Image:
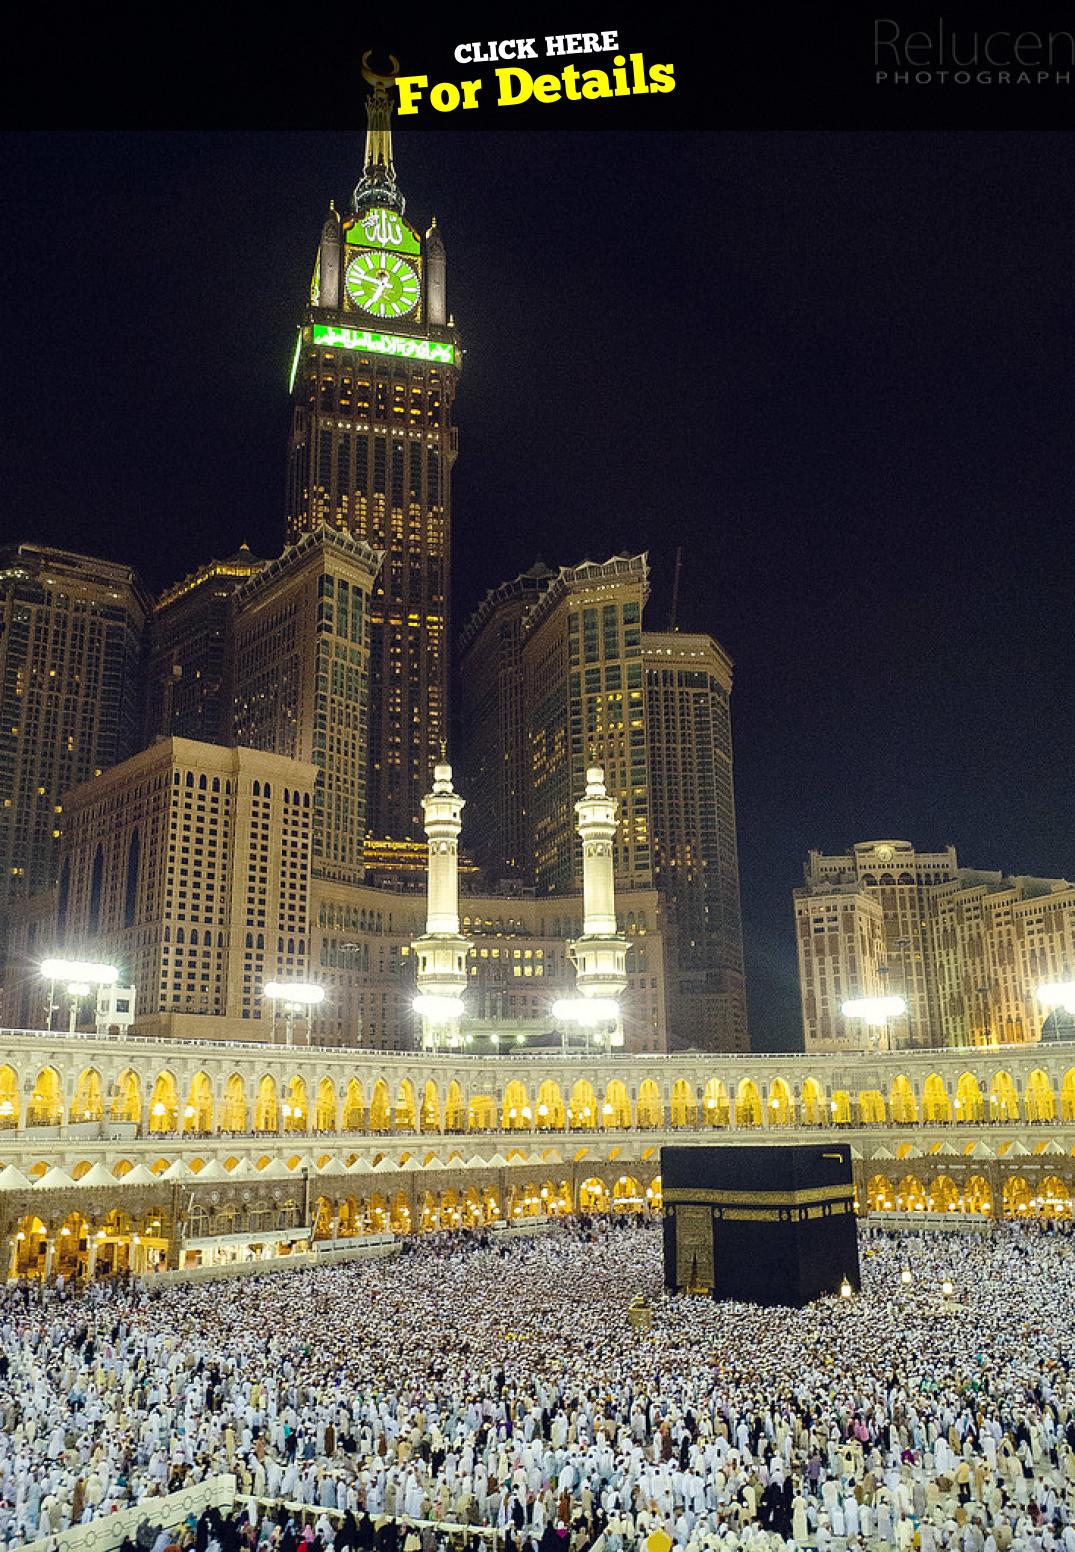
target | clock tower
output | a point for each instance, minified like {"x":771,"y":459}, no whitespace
{"x":371,"y":450}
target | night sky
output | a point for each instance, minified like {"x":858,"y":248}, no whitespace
{"x":835,"y":367}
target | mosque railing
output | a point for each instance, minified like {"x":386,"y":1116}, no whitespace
{"x":514,"y":1056}
{"x":107,"y":1532}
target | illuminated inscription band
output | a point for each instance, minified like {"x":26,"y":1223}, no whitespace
{"x":383,"y":344}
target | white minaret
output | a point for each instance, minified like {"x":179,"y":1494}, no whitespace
{"x":441,"y":954}
{"x":600,"y":955}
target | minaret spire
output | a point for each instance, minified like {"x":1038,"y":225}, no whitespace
{"x":441,"y":953}
{"x":600,"y":954}
{"x":377,"y":185}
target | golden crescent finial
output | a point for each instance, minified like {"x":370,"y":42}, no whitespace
{"x":373,"y":76}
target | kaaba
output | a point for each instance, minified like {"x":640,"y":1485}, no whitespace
{"x":766,"y":1225}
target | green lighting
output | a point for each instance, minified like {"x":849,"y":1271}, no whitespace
{"x":295,"y":363}
{"x":383,"y":344}
{"x":381,"y":228}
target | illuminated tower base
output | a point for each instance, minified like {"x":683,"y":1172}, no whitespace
{"x":441,"y":953}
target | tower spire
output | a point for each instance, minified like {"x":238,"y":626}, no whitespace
{"x":377,"y":185}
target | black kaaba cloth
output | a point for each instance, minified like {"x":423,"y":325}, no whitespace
{"x":768,"y":1225}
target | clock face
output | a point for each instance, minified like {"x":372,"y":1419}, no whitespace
{"x":384,"y":284}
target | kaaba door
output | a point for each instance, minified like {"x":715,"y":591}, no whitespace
{"x":694,"y":1247}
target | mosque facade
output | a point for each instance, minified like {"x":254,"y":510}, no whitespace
{"x":159,"y":1155}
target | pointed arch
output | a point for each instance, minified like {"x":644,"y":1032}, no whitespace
{"x":380,"y":1107}
{"x":405,"y":1115}
{"x":515,"y":1110}
{"x":871,"y":1107}
{"x":969,"y":1101}
{"x":977,"y":1196}
{"x":944,"y":1195}
{"x":45,"y":1107}
{"x":88,"y":1103}
{"x":1039,"y":1101}
{"x":880,"y":1196}
{"x":1067,"y":1096}
{"x":747,"y":1104}
{"x":1003,"y":1098}
{"x":126,"y":1105}
{"x":1054,"y":1199}
{"x":1016,"y":1197}
{"x":481,"y":1113}
{"x":430,"y":1113}
{"x":716,"y":1103}
{"x":593,"y":1195}
{"x":354,"y":1107}
{"x":296,"y":1106}
{"x":267,"y":1106}
{"x":550,"y":1107}
{"x":233,"y":1107}
{"x":902,"y":1105}
{"x":583,"y":1109}
{"x":911,"y":1194}
{"x":9,"y":1098}
{"x":683,"y":1108}
{"x":616,"y":1107}
{"x":455,"y":1111}
{"x":812,"y":1103}
{"x":164,"y":1104}
{"x":840,"y":1107}
{"x":627,"y":1195}
{"x":936,"y":1106}
{"x":198,"y":1110}
{"x":781,"y":1105}
{"x":324,"y":1219}
{"x":649,"y":1112}
{"x":325,"y":1106}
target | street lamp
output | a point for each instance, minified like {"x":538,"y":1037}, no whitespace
{"x":875,"y":1013}
{"x":80,"y":976}
{"x":588,"y":1013}
{"x":440,"y":1015}
{"x":294,"y":997}
{"x":1056,"y":995}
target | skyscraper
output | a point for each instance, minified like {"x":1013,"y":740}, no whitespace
{"x":71,"y":677}
{"x":189,"y":658}
{"x":496,"y":737}
{"x":188,"y":866}
{"x":300,"y":674}
{"x":371,"y":450}
{"x":966,"y":949}
{"x":897,"y":877}
{"x":688,"y":682}
{"x":584,"y":699}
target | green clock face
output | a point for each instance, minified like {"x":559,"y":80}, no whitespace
{"x":384,"y":284}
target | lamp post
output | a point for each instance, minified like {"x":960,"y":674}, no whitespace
{"x":599,"y":955}
{"x":440,"y":954}
{"x":294,"y":998}
{"x":80,"y":976}
{"x":601,"y":1014}
{"x":875,"y":1013}
{"x":1057,"y":995}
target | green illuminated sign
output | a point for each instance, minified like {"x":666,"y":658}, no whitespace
{"x":383,"y":344}
{"x":380,"y":228}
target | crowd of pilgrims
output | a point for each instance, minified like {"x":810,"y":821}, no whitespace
{"x":500,"y":1388}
